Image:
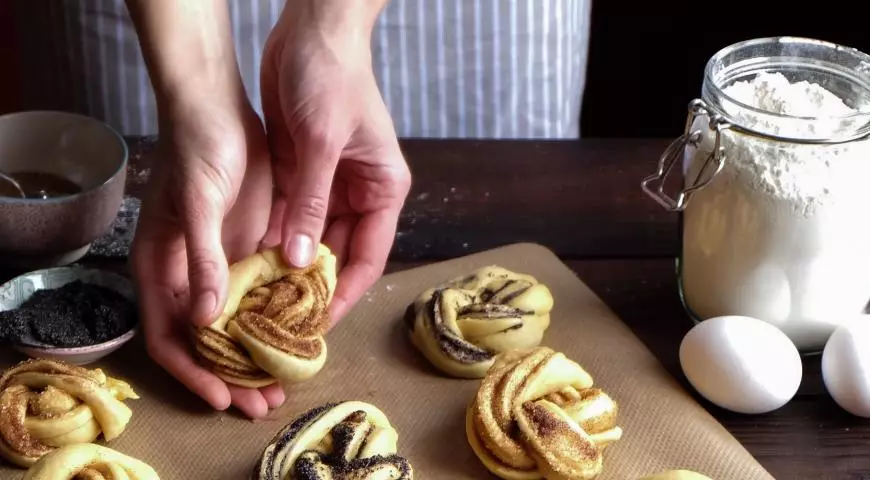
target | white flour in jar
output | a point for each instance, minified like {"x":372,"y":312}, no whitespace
{"x":781,"y":233}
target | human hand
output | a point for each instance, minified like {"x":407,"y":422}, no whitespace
{"x":340,"y":174}
{"x":207,"y":205}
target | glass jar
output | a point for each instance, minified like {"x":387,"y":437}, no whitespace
{"x":775,"y":197}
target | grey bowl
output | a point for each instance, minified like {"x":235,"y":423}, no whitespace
{"x":41,"y":233}
{"x":16,"y":291}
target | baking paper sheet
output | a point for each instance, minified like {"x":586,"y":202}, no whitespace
{"x":371,"y":359}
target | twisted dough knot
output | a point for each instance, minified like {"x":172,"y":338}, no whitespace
{"x":536,"y":415}
{"x":349,"y":440}
{"x":460,"y":326}
{"x":273,"y":322}
{"x":87,"y":461}
{"x":45,"y":404}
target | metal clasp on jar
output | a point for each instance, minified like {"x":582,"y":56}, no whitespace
{"x":675,"y":151}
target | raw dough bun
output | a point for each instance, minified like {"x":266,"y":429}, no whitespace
{"x":536,"y":415}
{"x":273,"y":322}
{"x":46,"y":404}
{"x":338,"y":440}
{"x":89,"y":461}
{"x":461,"y":325}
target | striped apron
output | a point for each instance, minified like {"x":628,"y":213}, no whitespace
{"x":446,"y":68}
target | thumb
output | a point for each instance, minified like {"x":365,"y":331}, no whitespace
{"x":307,"y":199}
{"x":206,"y":260}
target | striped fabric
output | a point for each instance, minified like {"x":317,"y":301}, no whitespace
{"x":446,"y":68}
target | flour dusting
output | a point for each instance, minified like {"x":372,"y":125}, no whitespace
{"x":773,"y":93}
{"x":805,"y":175}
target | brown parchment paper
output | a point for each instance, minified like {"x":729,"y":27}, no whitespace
{"x":371,"y":359}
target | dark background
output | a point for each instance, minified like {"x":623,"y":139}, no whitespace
{"x":646,"y":58}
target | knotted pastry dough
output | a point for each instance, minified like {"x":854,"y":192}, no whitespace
{"x":273,"y":322}
{"x":536,"y":416}
{"x":348,"y":440}
{"x":88,"y":461}
{"x":45,"y":404}
{"x":461,"y":325}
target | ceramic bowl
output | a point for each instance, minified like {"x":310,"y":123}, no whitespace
{"x":16,"y":291}
{"x":41,"y":233}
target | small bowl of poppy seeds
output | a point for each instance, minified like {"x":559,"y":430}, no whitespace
{"x":74,"y":314}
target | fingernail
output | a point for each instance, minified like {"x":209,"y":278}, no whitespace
{"x":209,"y":302}
{"x":300,"y":249}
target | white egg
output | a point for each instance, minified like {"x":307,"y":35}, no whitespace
{"x":846,"y":367}
{"x":741,"y":364}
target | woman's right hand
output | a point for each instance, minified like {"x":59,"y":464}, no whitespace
{"x":340,"y":175}
{"x":207,"y":205}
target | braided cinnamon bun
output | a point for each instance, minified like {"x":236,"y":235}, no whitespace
{"x":273,"y":323}
{"x":537,"y":415}
{"x":46,"y":404}
{"x":88,"y":461}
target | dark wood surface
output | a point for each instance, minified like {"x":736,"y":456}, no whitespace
{"x":580,"y":199}
{"x":583,"y":200}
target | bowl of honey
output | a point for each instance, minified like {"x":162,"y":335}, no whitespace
{"x":62,"y":180}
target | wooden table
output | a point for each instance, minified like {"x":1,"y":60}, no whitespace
{"x":583,"y":200}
